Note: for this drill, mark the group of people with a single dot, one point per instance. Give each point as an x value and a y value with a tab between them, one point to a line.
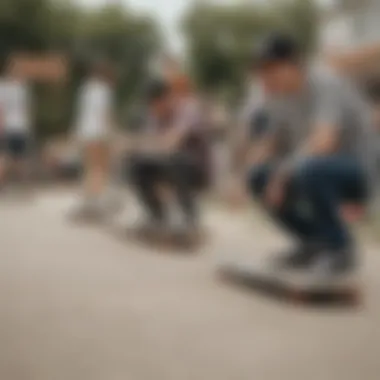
309	157
171	161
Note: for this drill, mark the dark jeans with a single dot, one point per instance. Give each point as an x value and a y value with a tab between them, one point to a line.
15	144
179	172
323	184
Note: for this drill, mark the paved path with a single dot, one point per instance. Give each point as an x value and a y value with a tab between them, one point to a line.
78	304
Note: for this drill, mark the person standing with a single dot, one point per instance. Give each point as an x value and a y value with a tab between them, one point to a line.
93	131
15	112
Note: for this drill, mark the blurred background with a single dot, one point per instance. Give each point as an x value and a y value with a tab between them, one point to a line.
50	42
76	303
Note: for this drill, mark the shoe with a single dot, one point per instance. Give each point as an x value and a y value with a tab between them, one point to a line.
334	263
112	205
86	212
300	257
153	228
186	229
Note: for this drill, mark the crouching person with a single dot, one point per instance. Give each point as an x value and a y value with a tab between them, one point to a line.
313	158
172	165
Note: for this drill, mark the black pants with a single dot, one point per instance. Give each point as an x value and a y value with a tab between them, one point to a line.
179	172
15	145
324	183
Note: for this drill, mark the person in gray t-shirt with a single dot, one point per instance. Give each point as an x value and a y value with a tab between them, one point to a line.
316	151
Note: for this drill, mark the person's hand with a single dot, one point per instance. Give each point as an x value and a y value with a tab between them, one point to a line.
275	191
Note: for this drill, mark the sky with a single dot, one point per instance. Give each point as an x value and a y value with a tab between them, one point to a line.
169	13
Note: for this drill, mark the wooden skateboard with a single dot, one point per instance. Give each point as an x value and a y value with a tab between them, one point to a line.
299	288
87	218
93	217
164	241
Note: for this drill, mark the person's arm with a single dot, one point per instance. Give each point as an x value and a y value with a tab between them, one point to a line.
173	138
242	137
263	135
175	135
261	150
257	145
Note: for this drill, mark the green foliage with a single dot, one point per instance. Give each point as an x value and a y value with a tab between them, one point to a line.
126	39
221	38
299	17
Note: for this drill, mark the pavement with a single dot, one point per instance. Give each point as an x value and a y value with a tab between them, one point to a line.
79	303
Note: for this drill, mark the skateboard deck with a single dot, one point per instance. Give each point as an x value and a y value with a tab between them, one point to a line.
163	242
299	288
93	217
86	218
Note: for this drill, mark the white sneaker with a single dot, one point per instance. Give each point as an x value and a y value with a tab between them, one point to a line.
86	210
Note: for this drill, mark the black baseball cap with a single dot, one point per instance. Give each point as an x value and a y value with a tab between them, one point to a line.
156	89
276	48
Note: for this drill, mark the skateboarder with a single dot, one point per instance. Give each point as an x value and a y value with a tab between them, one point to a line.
314	157
93	131
172	164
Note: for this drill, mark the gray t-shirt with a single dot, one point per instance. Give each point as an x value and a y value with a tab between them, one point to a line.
187	115
327	99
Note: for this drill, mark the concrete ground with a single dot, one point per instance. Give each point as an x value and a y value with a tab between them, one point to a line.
78	303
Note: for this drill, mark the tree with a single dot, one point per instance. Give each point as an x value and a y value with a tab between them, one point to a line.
113	32
301	18
221	38
128	40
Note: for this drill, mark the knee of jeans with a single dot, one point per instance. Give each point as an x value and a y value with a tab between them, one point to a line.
312	173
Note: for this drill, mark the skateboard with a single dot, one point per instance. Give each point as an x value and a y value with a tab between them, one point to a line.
95	217
297	288
167	241
86	217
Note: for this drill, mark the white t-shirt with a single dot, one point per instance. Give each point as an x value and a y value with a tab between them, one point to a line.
15	106
94	110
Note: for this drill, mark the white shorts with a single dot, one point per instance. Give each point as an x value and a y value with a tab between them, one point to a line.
92	134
